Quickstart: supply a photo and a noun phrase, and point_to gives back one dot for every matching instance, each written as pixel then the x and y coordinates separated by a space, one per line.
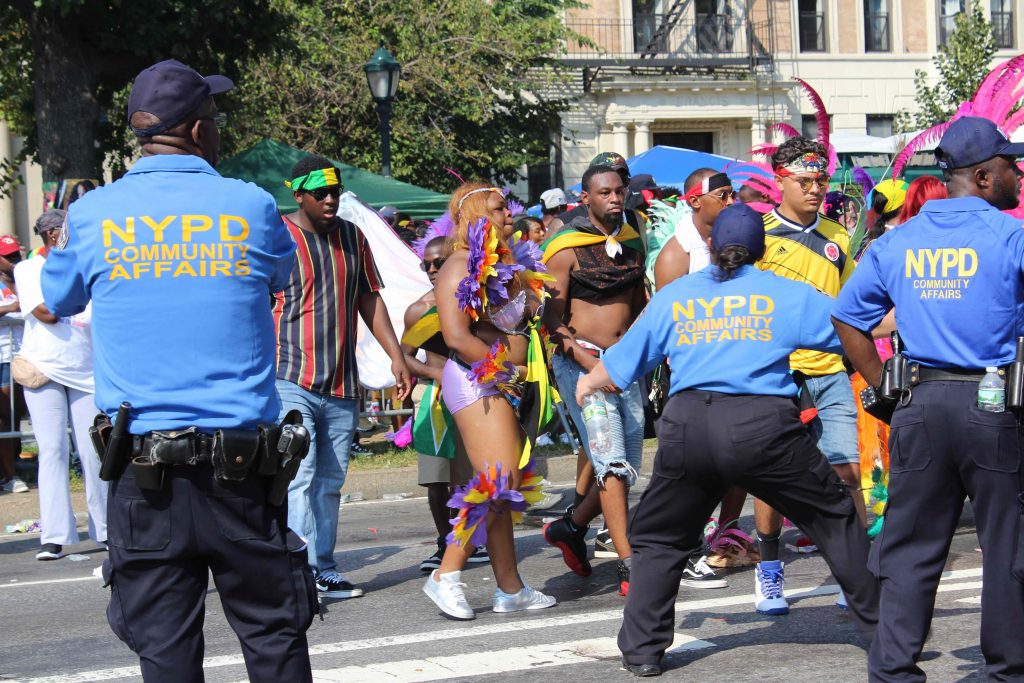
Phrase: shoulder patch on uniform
pixel 832 251
pixel 62 239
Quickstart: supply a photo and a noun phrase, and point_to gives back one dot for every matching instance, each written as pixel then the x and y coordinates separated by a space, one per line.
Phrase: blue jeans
pixel 315 494
pixel 835 428
pixel 625 413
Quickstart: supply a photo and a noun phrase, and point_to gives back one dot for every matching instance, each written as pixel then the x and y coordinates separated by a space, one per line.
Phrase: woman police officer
pixel 727 332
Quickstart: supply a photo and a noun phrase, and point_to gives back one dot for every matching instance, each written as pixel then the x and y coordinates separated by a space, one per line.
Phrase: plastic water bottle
pixel 992 392
pixel 599 429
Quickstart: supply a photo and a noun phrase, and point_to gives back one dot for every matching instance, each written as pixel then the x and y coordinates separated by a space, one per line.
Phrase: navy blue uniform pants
pixel 708 442
pixel 165 544
pixel 943 448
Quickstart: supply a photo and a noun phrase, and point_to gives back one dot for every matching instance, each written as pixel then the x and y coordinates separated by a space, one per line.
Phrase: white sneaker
pixel 527 598
pixel 841 601
pixel 447 593
pixel 544 440
pixel 769 585
pixel 15 485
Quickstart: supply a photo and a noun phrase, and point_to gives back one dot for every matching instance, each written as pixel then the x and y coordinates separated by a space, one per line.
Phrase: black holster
pixel 292 446
pixel 112 442
pixel 235 452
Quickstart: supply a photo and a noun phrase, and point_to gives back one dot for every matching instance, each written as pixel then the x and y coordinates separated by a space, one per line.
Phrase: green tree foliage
pixel 480 89
pixel 961 65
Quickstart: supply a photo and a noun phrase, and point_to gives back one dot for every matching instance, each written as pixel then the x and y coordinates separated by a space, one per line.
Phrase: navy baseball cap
pixel 170 91
pixel 971 140
pixel 741 226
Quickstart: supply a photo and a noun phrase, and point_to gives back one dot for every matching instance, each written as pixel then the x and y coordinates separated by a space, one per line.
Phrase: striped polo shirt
pixel 315 315
pixel 818 254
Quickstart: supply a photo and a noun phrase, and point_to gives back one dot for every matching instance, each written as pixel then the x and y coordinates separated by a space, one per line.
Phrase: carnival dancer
pixel 731 420
pixel 598 267
pixel 489 294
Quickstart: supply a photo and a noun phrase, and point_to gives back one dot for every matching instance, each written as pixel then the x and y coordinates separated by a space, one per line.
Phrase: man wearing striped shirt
pixel 315 319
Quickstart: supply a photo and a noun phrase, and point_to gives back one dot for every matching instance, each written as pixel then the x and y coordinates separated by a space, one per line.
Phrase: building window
pixel 714 26
pixel 809 125
pixel 1002 22
pixel 812 25
pixel 880 125
pixel 697 141
pixel 876 26
pixel 948 9
pixel 646 19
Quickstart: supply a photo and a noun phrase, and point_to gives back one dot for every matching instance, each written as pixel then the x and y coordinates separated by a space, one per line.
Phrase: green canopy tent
pixel 269 164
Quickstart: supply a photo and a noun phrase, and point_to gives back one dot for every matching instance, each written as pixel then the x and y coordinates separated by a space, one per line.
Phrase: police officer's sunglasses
pixel 321 193
pixel 436 264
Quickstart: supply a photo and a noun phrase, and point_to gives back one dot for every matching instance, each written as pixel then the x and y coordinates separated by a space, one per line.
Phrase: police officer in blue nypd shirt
pixel 955 275
pixel 727 332
pixel 179 264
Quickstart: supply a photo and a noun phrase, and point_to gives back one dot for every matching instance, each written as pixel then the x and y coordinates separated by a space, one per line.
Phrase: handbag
pixel 26 374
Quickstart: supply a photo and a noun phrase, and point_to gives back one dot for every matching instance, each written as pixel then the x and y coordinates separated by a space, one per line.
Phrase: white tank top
pixel 693 244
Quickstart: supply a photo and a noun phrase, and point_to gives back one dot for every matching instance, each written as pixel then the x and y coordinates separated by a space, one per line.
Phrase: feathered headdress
pixel 767 149
pixel 996 99
pixel 443 226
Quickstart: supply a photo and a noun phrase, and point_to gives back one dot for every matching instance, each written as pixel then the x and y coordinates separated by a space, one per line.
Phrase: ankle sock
pixel 769 547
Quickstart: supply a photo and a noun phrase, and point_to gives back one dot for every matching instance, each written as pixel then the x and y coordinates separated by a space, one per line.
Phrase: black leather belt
pixel 919 374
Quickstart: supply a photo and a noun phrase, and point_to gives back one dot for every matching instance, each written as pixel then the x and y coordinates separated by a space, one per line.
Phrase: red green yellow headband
pixel 324 177
pixel 805 163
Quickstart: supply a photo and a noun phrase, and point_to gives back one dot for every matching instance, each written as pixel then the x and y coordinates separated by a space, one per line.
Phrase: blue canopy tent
pixel 671 165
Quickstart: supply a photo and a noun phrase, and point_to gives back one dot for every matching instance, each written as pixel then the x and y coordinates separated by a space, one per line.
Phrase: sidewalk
pixel 397 482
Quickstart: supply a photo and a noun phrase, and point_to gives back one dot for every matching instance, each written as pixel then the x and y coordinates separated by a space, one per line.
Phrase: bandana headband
pixel 708 184
pixel 314 180
pixel 806 163
pixel 466 196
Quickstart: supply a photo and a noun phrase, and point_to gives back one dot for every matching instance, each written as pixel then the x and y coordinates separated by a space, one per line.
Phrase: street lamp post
pixel 382 74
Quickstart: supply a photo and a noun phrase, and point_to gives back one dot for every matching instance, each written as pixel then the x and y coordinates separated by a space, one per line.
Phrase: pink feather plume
pixel 933 134
pixel 764 149
pixel 820 113
pixel 785 129
pixel 997 94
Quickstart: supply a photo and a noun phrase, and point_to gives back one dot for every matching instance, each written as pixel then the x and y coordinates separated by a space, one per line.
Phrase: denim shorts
pixel 625 413
pixel 835 428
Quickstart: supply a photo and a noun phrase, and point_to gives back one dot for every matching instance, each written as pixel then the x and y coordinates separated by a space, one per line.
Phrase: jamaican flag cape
pixel 539 396
pixel 425 334
pixel 580 233
pixel 432 426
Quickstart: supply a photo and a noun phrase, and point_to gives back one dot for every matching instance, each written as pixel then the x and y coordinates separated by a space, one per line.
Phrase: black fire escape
pixel 714 39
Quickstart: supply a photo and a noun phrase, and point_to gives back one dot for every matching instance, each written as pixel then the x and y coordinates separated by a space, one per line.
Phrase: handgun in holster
pixel 880 402
pixel 292 446
pixel 112 442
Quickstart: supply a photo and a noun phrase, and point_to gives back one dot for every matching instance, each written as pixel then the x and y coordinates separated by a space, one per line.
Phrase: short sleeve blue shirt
pixel 733 336
pixel 179 264
pixel 953 273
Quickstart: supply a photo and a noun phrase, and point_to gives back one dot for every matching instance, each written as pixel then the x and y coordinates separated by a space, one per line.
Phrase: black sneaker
pixel 334 585
pixel 434 561
pixel 698 574
pixel 50 551
pixel 572 543
pixel 603 546
pixel 358 449
pixel 480 556
pixel 622 569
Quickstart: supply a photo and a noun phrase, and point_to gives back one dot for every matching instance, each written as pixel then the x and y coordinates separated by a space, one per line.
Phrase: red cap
pixel 8 245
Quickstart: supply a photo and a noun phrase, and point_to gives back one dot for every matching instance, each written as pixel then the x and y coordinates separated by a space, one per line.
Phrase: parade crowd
pixel 756 314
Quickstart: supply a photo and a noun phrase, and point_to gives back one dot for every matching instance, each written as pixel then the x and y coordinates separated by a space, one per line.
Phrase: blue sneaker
pixel 769 580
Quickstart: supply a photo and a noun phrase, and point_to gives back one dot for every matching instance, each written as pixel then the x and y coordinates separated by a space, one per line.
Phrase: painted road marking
pixel 493 662
pixel 948 584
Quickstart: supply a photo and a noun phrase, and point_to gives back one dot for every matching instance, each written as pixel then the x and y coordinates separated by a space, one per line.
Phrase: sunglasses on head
pixel 436 264
pixel 321 193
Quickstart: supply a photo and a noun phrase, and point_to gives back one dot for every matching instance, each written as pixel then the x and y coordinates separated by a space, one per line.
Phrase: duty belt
pixel 918 374
pixel 185 447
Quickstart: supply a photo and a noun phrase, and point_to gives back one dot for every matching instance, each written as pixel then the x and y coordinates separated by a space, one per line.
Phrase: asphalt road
pixel 55 631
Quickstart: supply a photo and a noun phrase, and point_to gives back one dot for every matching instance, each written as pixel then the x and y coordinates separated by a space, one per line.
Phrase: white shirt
pixel 61 351
pixel 693 244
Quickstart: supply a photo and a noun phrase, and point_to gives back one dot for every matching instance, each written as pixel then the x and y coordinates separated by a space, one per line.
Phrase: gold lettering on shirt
pixel 731 318
pixel 940 274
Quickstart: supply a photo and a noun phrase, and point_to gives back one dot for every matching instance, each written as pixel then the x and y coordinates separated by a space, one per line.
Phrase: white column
pixel 620 139
pixel 641 137
pixel 7 213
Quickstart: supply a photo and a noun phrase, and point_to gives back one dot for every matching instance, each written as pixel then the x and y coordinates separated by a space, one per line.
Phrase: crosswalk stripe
pixel 948 583
pixel 491 662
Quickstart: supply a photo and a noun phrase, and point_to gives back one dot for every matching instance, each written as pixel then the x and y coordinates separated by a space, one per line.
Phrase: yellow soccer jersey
pixel 818 254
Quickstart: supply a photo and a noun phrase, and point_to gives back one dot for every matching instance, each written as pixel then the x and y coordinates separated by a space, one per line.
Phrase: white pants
pixel 49 406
